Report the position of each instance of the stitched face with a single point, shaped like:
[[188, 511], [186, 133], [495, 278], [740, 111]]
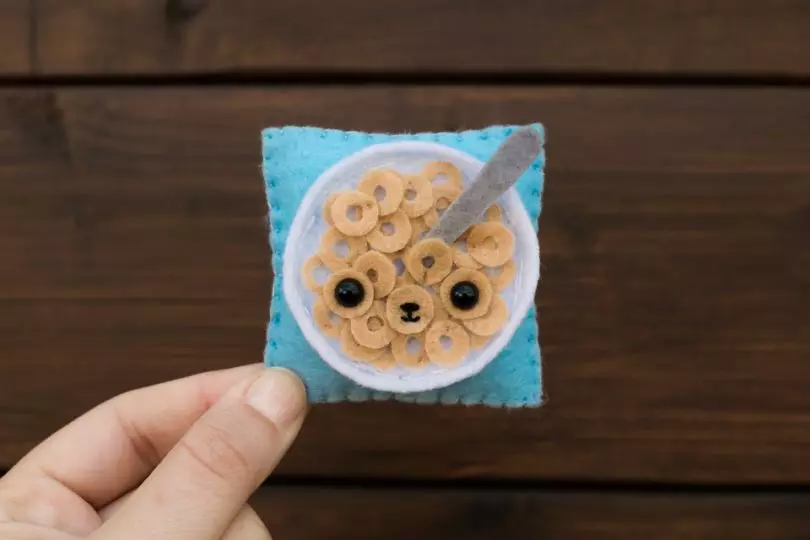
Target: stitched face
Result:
[[396, 299], [409, 309]]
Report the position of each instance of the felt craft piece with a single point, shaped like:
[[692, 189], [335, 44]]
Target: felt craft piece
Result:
[[294, 158]]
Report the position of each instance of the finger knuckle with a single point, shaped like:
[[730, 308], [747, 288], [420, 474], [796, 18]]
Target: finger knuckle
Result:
[[218, 452]]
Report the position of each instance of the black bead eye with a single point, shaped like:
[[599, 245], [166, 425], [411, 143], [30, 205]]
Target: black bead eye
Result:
[[464, 295], [349, 292]]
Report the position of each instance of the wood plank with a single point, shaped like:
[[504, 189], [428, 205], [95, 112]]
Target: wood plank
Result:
[[293, 513], [15, 42], [672, 309], [731, 37]]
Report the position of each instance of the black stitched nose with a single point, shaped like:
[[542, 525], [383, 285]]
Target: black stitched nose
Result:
[[409, 307]]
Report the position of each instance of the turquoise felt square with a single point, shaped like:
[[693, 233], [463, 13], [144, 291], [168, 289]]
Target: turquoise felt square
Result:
[[294, 158]]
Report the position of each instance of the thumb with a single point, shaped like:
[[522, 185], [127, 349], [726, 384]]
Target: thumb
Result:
[[205, 480]]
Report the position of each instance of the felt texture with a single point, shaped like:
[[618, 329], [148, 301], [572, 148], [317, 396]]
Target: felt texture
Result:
[[500, 173], [293, 159]]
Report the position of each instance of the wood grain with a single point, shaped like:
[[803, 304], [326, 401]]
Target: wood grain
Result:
[[15, 41], [324, 513], [672, 308], [714, 37]]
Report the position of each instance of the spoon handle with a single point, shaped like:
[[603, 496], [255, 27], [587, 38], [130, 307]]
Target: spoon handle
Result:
[[500, 173]]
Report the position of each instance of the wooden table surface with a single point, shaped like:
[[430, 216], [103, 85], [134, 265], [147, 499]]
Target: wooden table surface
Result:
[[675, 241]]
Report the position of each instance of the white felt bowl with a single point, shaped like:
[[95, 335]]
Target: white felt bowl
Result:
[[308, 226]]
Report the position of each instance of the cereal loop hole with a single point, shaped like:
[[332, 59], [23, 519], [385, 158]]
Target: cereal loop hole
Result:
[[341, 248], [418, 197], [385, 188], [314, 274], [409, 351], [338, 251], [321, 274], [431, 248], [491, 243], [374, 323], [379, 270], [371, 330], [443, 174], [392, 234], [355, 213], [452, 334]]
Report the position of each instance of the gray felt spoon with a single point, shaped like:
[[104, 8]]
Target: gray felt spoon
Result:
[[500, 173]]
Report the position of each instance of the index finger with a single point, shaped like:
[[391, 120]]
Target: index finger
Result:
[[112, 448]]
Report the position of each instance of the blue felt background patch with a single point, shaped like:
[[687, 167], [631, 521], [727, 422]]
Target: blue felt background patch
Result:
[[294, 158]]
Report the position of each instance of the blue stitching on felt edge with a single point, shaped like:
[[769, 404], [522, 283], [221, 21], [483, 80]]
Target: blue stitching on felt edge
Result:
[[447, 395]]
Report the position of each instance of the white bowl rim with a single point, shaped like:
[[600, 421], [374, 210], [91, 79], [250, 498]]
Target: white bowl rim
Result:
[[524, 233]]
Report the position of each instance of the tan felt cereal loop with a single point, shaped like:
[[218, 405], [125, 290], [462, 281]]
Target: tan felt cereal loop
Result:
[[323, 318], [409, 309], [435, 169], [387, 181], [343, 311], [492, 321], [330, 245], [308, 273], [439, 313], [391, 234], [327, 209], [364, 209], [493, 213], [404, 357], [478, 342], [502, 276], [418, 229], [491, 243], [444, 195], [462, 259], [457, 349], [418, 197], [430, 219], [429, 261], [379, 270], [386, 361], [355, 350], [480, 281], [371, 329], [404, 279]]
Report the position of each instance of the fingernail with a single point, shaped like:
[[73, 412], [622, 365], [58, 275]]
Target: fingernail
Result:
[[278, 395]]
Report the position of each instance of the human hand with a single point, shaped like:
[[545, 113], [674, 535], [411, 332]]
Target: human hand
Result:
[[176, 461]]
